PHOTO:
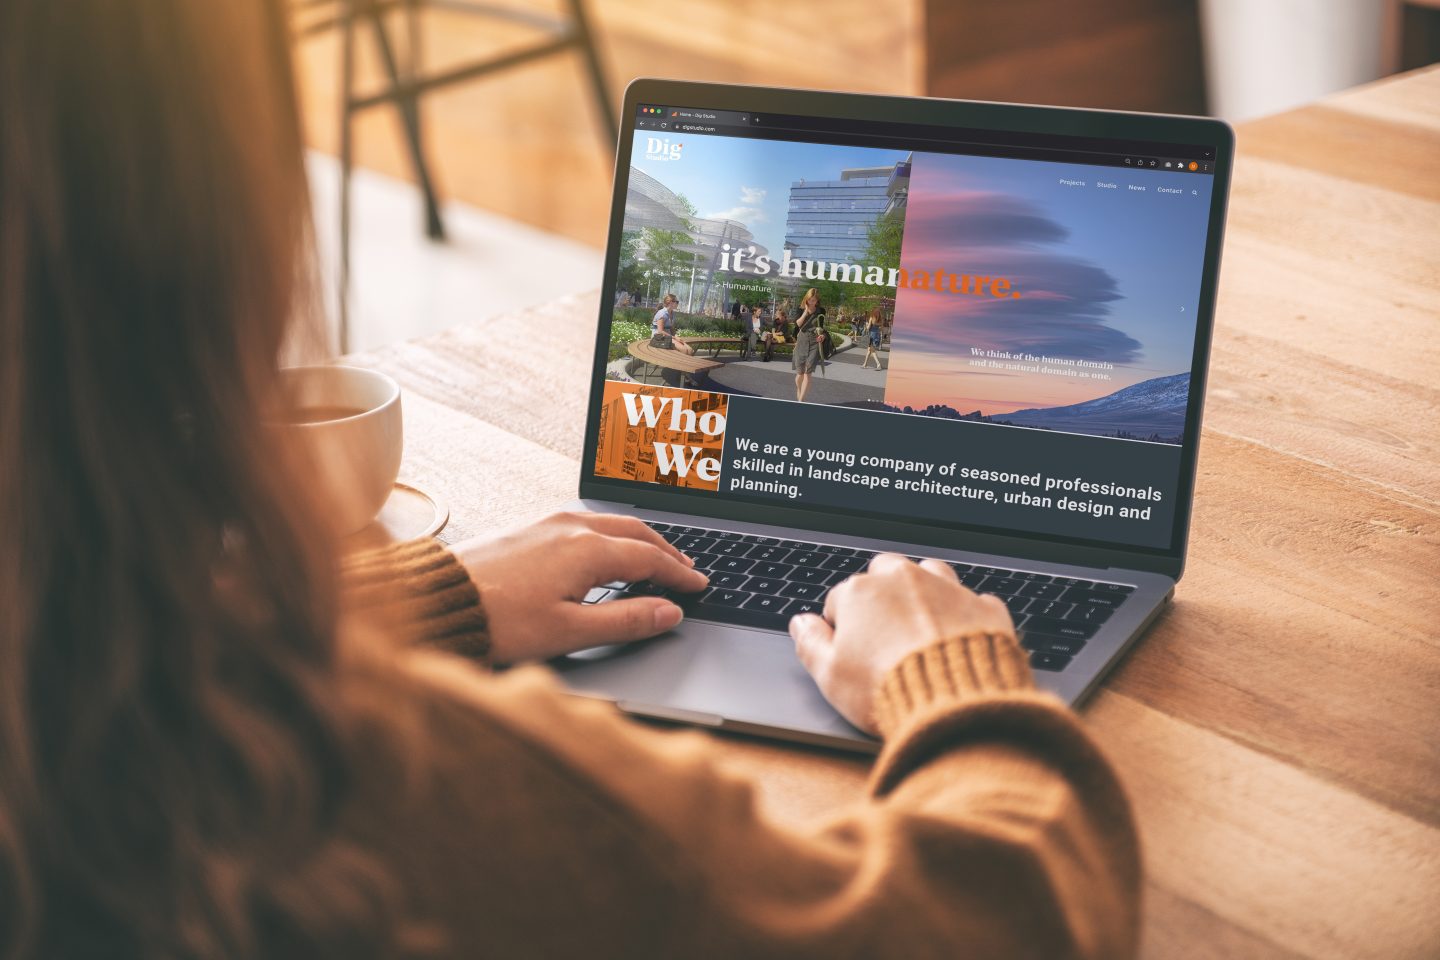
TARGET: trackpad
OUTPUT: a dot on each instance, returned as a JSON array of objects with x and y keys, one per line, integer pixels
[{"x": 748, "y": 677}]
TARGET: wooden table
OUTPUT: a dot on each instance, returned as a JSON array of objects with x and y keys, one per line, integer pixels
[{"x": 1279, "y": 729}]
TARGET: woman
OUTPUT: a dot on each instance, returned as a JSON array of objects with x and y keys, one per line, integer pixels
[
  {"x": 872, "y": 338},
  {"x": 754, "y": 333},
  {"x": 662, "y": 327},
  {"x": 807, "y": 343},
  {"x": 219, "y": 739},
  {"x": 776, "y": 334}
]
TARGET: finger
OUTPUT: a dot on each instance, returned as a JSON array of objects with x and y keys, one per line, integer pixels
[
  {"x": 887, "y": 563},
  {"x": 940, "y": 569},
  {"x": 838, "y": 596},
  {"x": 814, "y": 643},
  {"x": 613, "y": 525},
  {"x": 620, "y": 558},
  {"x": 622, "y": 621}
]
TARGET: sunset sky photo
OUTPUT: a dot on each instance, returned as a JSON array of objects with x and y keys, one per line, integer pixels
[{"x": 1103, "y": 274}]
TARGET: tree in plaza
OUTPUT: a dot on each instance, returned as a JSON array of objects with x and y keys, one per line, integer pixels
[
  {"x": 664, "y": 255},
  {"x": 882, "y": 249},
  {"x": 631, "y": 275}
]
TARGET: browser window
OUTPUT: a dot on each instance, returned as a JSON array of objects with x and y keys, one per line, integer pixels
[{"x": 965, "y": 327}]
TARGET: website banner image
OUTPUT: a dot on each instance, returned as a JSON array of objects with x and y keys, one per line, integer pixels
[
  {"x": 736, "y": 232},
  {"x": 973, "y": 340}
]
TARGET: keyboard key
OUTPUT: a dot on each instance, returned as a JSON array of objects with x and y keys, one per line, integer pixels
[
  {"x": 724, "y": 598},
  {"x": 803, "y": 591},
  {"x": 831, "y": 548},
  {"x": 761, "y": 585},
  {"x": 761, "y": 541},
  {"x": 1016, "y": 604},
  {"x": 1054, "y": 609},
  {"x": 815, "y": 575},
  {"x": 1072, "y": 582},
  {"x": 644, "y": 589},
  {"x": 1022, "y": 575},
  {"x": 973, "y": 580},
  {"x": 597, "y": 594},
  {"x": 844, "y": 564},
  {"x": 796, "y": 545},
  {"x": 961, "y": 567},
  {"x": 805, "y": 558},
  {"x": 1038, "y": 641},
  {"x": 767, "y": 604},
  {"x": 1112, "y": 588},
  {"x": 724, "y": 535},
  {"x": 728, "y": 580},
  {"x": 703, "y": 560},
  {"x": 731, "y": 565},
  {"x": 1043, "y": 591},
  {"x": 732, "y": 548},
  {"x": 692, "y": 531},
  {"x": 1061, "y": 628},
  {"x": 766, "y": 553},
  {"x": 778, "y": 571},
  {"x": 1054, "y": 662},
  {"x": 657, "y": 526},
  {"x": 1002, "y": 586},
  {"x": 992, "y": 571},
  {"x": 1093, "y": 598},
  {"x": 798, "y": 607},
  {"x": 1085, "y": 613},
  {"x": 671, "y": 536},
  {"x": 693, "y": 544}
]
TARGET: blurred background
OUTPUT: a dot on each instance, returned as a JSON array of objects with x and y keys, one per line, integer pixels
[{"x": 499, "y": 101}]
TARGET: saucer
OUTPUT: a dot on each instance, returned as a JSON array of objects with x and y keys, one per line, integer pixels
[{"x": 409, "y": 514}]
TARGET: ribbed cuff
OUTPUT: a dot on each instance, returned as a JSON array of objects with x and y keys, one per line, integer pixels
[
  {"x": 422, "y": 587},
  {"x": 970, "y": 665}
]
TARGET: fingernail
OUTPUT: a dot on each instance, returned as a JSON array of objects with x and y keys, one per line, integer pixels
[
  {"x": 667, "y": 616},
  {"x": 688, "y": 559}
]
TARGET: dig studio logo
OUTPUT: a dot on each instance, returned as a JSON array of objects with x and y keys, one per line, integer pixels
[{"x": 660, "y": 148}]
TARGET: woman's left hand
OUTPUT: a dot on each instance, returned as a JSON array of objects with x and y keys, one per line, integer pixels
[{"x": 532, "y": 583}]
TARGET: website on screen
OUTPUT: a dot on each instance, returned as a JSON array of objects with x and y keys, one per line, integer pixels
[{"x": 994, "y": 330}]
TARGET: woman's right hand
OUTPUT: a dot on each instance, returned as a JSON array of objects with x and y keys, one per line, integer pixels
[
  {"x": 532, "y": 582},
  {"x": 875, "y": 619}
]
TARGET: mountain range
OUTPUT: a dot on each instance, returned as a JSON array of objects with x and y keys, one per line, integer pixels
[
  {"x": 1151, "y": 410},
  {"x": 1148, "y": 410}
]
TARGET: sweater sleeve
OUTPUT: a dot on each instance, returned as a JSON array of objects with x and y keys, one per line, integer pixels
[
  {"x": 992, "y": 828},
  {"x": 419, "y": 591}
]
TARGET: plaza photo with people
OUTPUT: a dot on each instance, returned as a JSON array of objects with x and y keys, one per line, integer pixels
[{"x": 759, "y": 268}]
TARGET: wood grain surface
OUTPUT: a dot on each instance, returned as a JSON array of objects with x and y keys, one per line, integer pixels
[{"x": 1279, "y": 729}]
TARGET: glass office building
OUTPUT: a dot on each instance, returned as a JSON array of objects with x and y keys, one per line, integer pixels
[{"x": 831, "y": 219}]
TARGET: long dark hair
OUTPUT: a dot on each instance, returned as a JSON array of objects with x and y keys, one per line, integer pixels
[{"x": 174, "y": 749}]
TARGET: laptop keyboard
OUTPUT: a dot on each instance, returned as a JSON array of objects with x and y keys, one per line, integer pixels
[{"x": 764, "y": 581}]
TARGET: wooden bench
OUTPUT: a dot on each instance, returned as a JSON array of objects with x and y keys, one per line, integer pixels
[
  {"x": 714, "y": 344},
  {"x": 697, "y": 368}
]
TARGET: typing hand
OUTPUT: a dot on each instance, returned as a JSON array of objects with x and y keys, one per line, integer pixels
[
  {"x": 532, "y": 582},
  {"x": 874, "y": 619}
]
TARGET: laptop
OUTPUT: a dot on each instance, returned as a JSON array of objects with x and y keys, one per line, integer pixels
[{"x": 1007, "y": 376}]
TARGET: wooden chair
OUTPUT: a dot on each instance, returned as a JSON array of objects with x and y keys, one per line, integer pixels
[{"x": 406, "y": 83}]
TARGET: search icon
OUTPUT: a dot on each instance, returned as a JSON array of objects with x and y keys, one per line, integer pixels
[{"x": 1194, "y": 193}]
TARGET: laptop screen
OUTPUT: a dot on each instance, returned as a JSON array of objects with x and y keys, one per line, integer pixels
[{"x": 959, "y": 327}]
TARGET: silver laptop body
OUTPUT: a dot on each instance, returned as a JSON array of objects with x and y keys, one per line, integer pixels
[{"x": 733, "y": 671}]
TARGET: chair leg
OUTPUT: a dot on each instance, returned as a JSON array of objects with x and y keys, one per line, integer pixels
[
  {"x": 409, "y": 110},
  {"x": 347, "y": 91},
  {"x": 585, "y": 39}
]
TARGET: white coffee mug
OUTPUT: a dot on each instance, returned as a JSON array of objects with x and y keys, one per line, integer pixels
[{"x": 348, "y": 419}]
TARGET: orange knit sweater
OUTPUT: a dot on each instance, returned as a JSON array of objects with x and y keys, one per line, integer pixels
[{"x": 534, "y": 824}]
